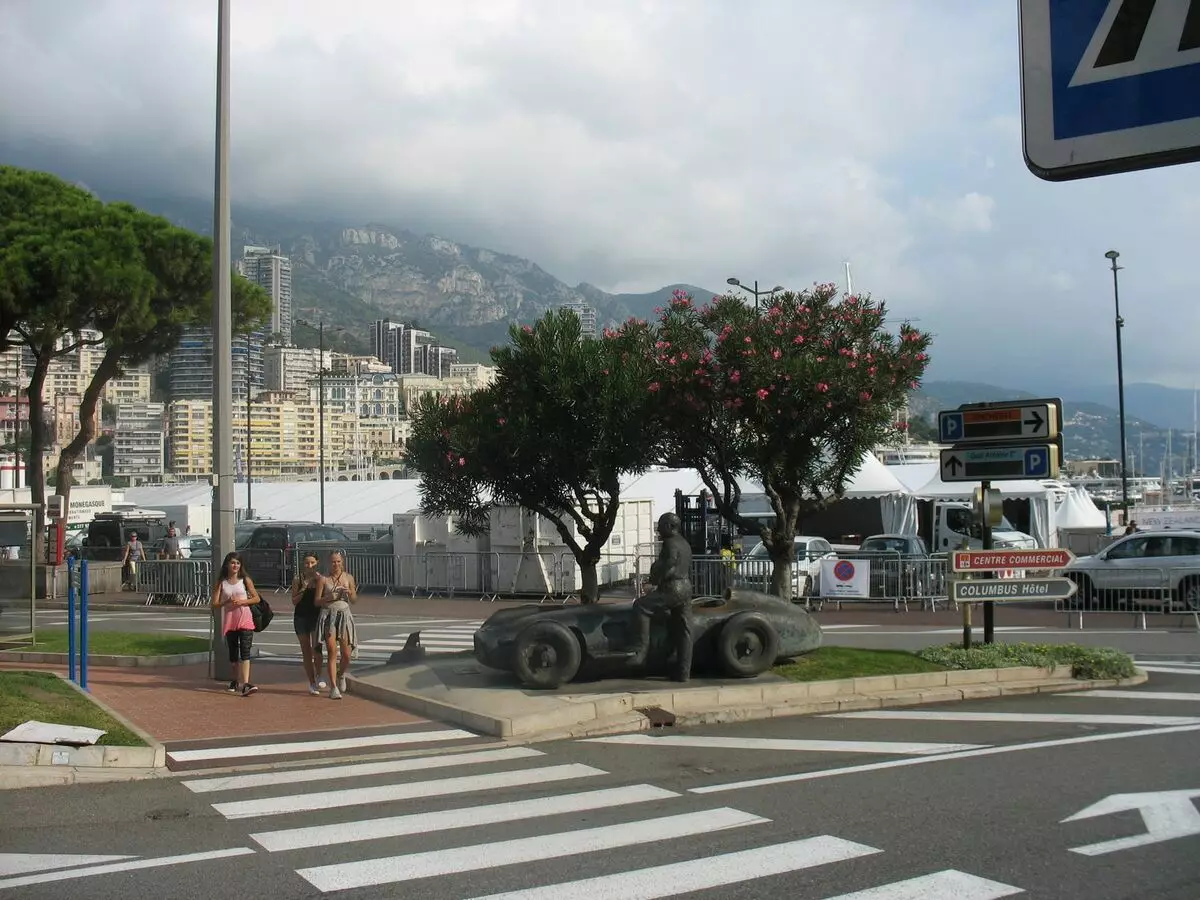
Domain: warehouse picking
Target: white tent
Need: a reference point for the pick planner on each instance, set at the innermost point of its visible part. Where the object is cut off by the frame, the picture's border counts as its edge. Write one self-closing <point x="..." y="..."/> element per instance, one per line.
<point x="1078" y="512"/>
<point x="914" y="476"/>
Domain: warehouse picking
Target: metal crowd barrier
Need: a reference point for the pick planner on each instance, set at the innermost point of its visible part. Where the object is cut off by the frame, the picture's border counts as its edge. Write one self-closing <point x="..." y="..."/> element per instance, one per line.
<point x="185" y="582"/>
<point x="1137" y="590"/>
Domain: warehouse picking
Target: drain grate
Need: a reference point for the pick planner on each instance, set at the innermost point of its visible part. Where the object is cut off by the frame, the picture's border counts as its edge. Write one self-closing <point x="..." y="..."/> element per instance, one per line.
<point x="658" y="717"/>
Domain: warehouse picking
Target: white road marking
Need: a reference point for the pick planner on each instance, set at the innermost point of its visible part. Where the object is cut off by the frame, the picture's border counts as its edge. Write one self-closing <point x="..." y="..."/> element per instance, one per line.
<point x="23" y="863"/>
<point x="919" y="760"/>
<point x="699" y="874"/>
<point x="1136" y="695"/>
<point x="725" y="743"/>
<point x="390" y="870"/>
<point x="1170" y="670"/>
<point x="358" y="770"/>
<point x="443" y="787"/>
<point x="1014" y="718"/>
<point x="449" y="819"/>
<point x="133" y="865"/>
<point x="947" y="885"/>
<point x="243" y="751"/>
<point x="1167" y="662"/>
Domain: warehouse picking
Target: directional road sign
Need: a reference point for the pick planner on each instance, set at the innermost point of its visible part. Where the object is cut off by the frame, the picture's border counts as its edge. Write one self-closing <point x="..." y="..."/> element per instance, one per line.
<point x="1001" y="560"/>
<point x="1109" y="85"/>
<point x="999" y="423"/>
<point x="1000" y="463"/>
<point x="1011" y="590"/>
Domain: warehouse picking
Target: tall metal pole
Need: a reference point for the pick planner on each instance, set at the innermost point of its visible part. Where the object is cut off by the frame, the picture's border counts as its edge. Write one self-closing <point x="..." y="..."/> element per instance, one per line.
<point x="222" y="326"/>
<point x="249" y="478"/>
<point x="321" y="415"/>
<point x="1112" y="255"/>
<point x="17" y="439"/>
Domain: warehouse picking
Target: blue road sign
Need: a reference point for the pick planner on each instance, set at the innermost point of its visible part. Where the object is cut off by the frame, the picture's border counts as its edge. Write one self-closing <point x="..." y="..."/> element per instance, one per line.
<point x="950" y="427"/>
<point x="1109" y="85"/>
<point x="1000" y="463"/>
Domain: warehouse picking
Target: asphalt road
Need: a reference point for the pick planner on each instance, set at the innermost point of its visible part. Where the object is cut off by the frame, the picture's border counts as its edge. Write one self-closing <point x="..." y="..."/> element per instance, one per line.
<point x="383" y="634"/>
<point x="967" y="801"/>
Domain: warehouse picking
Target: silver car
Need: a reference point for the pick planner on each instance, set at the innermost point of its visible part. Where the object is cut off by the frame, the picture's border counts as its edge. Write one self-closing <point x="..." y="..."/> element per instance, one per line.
<point x="754" y="570"/>
<point x="1157" y="568"/>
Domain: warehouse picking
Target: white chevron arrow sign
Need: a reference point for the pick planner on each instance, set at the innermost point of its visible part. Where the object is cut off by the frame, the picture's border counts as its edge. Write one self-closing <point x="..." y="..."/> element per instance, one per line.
<point x="1167" y="815"/>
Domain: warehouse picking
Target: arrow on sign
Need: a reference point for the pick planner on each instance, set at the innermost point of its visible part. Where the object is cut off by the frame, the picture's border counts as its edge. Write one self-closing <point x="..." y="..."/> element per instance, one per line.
<point x="1167" y="814"/>
<point x="954" y="464"/>
<point x="1036" y="420"/>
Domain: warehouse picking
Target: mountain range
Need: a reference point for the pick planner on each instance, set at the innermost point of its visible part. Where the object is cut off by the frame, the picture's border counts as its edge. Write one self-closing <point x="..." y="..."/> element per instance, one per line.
<point x="350" y="274"/>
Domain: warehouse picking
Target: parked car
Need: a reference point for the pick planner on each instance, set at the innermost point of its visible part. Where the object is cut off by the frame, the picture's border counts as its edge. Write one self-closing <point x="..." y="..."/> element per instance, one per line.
<point x="901" y="567"/>
<point x="1144" y="568"/>
<point x="269" y="554"/>
<point x="753" y="571"/>
<point x="740" y="635"/>
<point x="107" y="533"/>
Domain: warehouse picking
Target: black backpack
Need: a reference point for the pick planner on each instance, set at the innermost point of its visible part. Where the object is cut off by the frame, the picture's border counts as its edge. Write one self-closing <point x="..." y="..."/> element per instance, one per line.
<point x="262" y="613"/>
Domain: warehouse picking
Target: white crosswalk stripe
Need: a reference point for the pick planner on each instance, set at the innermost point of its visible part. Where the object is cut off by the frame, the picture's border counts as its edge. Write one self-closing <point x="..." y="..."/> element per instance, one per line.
<point x="510" y="808"/>
<point x="1172" y="669"/>
<point x="437" y="636"/>
<point x="291" y="748"/>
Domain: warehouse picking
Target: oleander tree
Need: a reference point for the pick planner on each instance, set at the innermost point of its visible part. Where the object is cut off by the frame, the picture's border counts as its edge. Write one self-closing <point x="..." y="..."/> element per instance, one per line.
<point x="791" y="397"/>
<point x="565" y="419"/>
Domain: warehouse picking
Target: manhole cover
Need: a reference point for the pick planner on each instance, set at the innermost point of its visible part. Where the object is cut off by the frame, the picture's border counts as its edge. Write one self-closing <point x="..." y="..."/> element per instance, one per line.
<point x="657" y="716"/>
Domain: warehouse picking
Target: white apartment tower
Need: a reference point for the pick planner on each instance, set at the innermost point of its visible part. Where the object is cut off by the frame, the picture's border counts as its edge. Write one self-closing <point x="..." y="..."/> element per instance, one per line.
<point x="410" y="351"/>
<point x="587" y="318"/>
<point x="272" y="271"/>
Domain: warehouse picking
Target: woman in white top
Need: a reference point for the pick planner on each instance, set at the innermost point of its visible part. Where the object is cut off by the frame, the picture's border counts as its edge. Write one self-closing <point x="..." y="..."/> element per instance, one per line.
<point x="234" y="594"/>
<point x="335" y="625"/>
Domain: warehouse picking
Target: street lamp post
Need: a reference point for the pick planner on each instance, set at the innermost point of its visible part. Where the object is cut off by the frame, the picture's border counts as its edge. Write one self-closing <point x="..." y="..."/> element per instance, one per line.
<point x="249" y="479"/>
<point x="1112" y="256"/>
<point x="756" y="292"/>
<point x="321" y="414"/>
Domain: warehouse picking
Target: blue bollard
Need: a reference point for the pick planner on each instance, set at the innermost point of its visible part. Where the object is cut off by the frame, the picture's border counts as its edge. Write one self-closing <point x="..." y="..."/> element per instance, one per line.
<point x="83" y="623"/>
<point x="71" y="618"/>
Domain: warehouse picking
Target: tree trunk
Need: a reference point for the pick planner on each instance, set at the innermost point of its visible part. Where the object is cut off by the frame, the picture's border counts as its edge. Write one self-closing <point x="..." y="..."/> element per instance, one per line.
<point x="34" y="469"/>
<point x="781" y="573"/>
<point x="107" y="369"/>
<point x="590" y="591"/>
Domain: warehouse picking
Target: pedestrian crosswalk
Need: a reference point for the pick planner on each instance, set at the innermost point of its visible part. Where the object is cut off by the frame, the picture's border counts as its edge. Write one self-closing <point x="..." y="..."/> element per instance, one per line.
<point x="517" y="818"/>
<point x="437" y="636"/>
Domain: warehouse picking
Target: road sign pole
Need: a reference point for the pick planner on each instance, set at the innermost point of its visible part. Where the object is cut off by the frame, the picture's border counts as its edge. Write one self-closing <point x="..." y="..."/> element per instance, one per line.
<point x="966" y="611"/>
<point x="989" y="608"/>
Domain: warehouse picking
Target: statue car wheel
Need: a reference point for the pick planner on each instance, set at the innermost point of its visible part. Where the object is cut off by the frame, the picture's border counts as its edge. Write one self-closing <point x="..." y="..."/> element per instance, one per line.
<point x="747" y="645"/>
<point x="546" y="655"/>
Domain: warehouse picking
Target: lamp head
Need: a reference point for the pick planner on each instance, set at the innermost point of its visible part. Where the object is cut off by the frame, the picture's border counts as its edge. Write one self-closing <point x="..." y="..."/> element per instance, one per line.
<point x="733" y="281"/>
<point x="778" y="287"/>
<point x="1111" y="254"/>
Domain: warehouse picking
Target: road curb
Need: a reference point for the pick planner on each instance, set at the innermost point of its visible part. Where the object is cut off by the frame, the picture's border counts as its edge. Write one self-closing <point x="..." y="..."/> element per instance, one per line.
<point x="25" y="764"/>
<point x="588" y="715"/>
<point x="123" y="662"/>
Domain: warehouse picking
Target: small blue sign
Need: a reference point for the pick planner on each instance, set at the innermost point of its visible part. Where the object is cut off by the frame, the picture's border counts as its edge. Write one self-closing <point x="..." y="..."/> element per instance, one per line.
<point x="950" y="427"/>
<point x="1037" y="462"/>
<point x="1119" y="64"/>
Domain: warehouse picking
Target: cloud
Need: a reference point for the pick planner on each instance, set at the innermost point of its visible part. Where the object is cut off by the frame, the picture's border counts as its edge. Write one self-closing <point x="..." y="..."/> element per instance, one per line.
<point x="630" y="144"/>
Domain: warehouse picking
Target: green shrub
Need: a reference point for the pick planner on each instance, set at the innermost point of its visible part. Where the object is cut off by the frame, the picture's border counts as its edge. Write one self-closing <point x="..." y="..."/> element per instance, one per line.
<point x="1085" y="662"/>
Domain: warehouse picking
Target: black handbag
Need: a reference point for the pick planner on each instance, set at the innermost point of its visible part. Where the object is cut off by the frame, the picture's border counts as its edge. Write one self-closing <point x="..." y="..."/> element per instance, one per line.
<point x="262" y="613"/>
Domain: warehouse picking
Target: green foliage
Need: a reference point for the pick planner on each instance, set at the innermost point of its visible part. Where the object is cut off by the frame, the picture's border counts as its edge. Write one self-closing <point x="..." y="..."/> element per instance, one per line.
<point x="1085" y="662"/>
<point x="832" y="663"/>
<point x="45" y="697"/>
<point x="565" y="419"/>
<point x="792" y="397"/>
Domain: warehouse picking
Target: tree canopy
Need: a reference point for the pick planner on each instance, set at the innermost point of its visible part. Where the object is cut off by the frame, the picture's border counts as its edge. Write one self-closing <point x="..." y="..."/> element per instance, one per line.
<point x="566" y="418"/>
<point x="791" y="397"/>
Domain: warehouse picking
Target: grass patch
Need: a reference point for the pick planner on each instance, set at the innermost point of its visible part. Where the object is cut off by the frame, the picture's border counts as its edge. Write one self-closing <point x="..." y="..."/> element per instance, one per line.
<point x="45" y="697"/>
<point x="831" y="663"/>
<point x="1085" y="662"/>
<point x="121" y="643"/>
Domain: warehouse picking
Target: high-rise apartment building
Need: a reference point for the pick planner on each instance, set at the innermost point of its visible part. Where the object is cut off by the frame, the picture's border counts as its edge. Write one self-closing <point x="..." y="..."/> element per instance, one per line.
<point x="131" y="387"/>
<point x="587" y="318"/>
<point x="410" y="351"/>
<point x="290" y="369"/>
<point x="272" y="271"/>
<point x="139" y="442"/>
<point x="191" y="373"/>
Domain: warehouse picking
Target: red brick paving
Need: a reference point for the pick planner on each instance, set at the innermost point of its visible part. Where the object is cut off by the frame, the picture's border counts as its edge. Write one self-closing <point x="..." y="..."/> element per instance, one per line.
<point x="181" y="703"/>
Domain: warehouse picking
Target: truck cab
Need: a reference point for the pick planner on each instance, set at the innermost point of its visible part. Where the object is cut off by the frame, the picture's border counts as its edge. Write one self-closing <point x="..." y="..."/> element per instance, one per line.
<point x="955" y="527"/>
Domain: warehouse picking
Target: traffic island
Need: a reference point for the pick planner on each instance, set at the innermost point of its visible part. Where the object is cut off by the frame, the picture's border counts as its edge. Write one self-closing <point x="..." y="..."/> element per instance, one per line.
<point x="461" y="691"/>
<point x="124" y="752"/>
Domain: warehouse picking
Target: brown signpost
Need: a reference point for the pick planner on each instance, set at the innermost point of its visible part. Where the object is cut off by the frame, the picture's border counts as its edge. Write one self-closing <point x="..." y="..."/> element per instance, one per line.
<point x="1050" y="559"/>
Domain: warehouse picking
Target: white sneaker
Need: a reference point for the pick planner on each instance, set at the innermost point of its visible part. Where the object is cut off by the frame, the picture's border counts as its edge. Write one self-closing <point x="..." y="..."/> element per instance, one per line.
<point x="335" y="694"/>
<point x="341" y="683"/>
<point x="313" y="689"/>
<point x="322" y="684"/>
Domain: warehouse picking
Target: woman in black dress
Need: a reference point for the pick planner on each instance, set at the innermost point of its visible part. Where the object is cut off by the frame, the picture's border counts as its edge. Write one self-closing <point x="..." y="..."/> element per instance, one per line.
<point x="306" y="590"/>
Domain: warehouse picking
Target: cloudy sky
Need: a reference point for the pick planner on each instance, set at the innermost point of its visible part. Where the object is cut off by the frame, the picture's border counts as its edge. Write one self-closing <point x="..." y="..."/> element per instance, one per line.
<point x="635" y="143"/>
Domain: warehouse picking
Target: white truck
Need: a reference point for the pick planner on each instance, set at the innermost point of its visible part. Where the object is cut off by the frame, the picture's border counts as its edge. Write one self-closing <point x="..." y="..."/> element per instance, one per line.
<point x="953" y="525"/>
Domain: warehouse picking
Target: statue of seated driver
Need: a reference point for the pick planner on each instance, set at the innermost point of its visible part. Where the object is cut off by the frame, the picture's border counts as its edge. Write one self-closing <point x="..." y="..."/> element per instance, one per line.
<point x="671" y="576"/>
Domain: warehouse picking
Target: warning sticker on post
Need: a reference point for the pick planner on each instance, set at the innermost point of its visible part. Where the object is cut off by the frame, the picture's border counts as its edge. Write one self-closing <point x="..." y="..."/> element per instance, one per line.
<point x="845" y="578"/>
